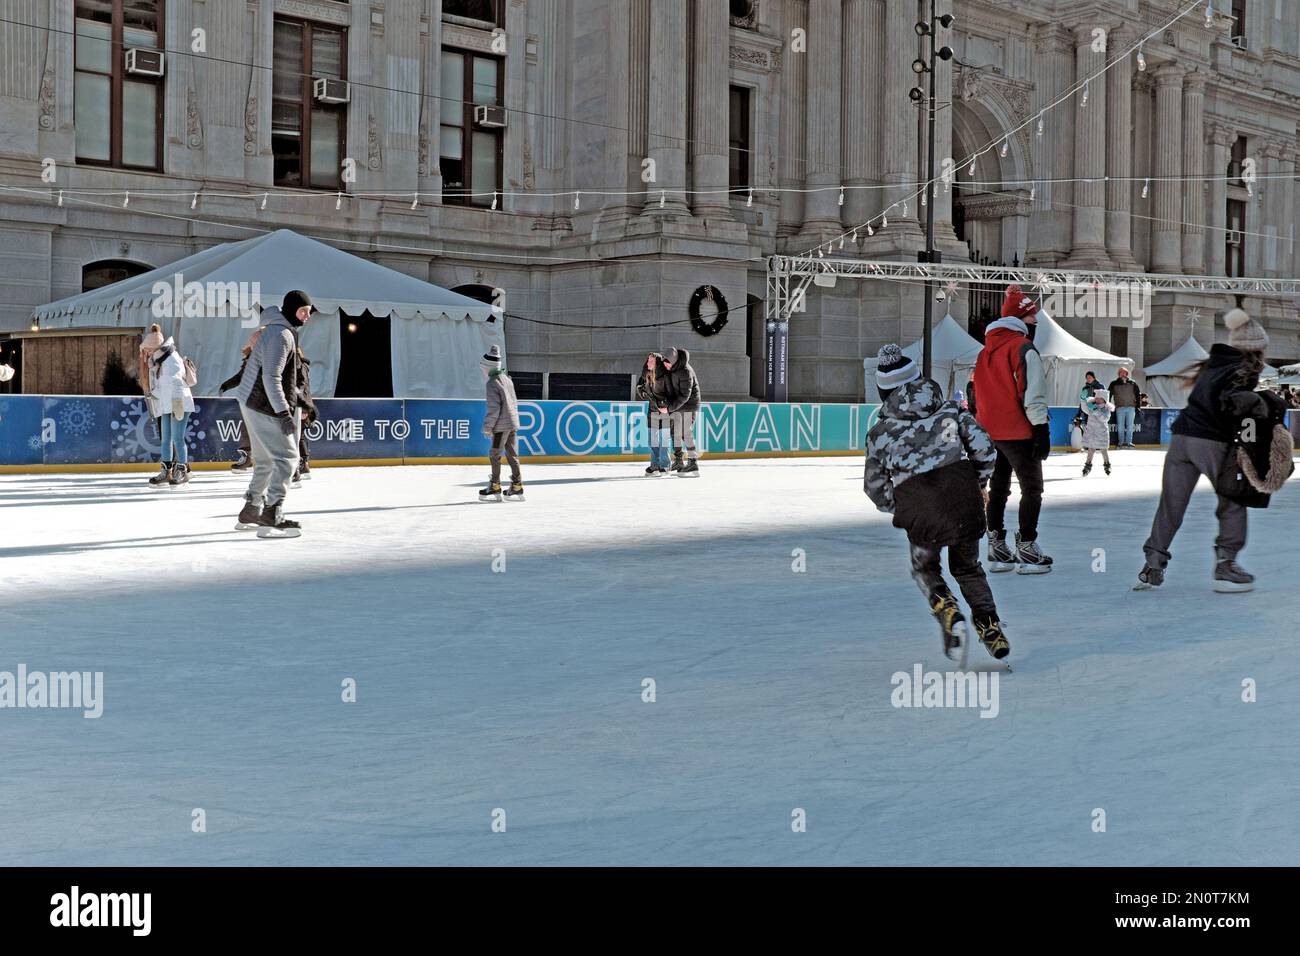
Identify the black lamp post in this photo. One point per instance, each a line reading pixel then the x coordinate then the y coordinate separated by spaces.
pixel 929 28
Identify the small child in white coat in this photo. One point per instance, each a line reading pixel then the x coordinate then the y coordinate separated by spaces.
pixel 1096 434
pixel 174 402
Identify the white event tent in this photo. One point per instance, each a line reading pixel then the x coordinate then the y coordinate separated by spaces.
pixel 1167 385
pixel 953 351
pixel 438 336
pixel 1066 360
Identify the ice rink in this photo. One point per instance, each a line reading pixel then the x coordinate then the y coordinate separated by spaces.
pixel 478 689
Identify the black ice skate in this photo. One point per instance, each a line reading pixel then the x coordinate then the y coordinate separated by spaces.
pixel 1149 579
pixel 689 470
pixel 677 461
pixel 952 624
pixel 1105 466
pixel 163 477
pixel 654 471
pixel 1000 557
pixel 304 471
pixel 243 462
pixel 295 481
pixel 491 493
pixel 180 475
pixel 1030 558
pixel 273 523
pixel 1087 468
pixel 250 518
pixel 515 492
pixel 1231 578
pixel 992 637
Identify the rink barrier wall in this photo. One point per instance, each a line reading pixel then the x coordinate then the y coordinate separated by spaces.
pixel 101 433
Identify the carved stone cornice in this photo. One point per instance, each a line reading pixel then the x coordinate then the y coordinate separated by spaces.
pixel 326 11
pixel 985 206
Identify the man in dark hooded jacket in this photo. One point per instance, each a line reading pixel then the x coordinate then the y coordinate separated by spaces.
pixel 684 395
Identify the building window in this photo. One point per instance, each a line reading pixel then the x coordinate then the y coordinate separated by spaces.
pixel 1239 22
pixel 470 154
pixel 738 151
pixel 1237 161
pixel 1235 258
pixel 1119 340
pixel 308 136
pixel 487 11
pixel 118 114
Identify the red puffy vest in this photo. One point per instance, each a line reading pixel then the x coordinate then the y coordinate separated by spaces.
pixel 1000 385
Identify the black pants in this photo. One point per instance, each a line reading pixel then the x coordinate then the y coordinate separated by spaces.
pixel 1016 456
pixel 964 563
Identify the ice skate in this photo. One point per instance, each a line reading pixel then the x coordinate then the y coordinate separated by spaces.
pixel 250 517
pixel 515 492
pixel 304 471
pixel 180 475
pixel 1105 466
pixel 1231 578
pixel 296 480
pixel 1000 557
pixel 1087 469
pixel 1149 579
pixel 654 471
pixel 243 462
pixel 164 476
pixel 491 493
pixel 952 625
pixel 677 462
pixel 993 638
pixel 689 470
pixel 1030 558
pixel 273 524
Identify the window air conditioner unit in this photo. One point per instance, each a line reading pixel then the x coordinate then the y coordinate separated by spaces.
pixel 490 117
pixel 1234 238
pixel 144 62
pixel 327 89
pixel 1240 43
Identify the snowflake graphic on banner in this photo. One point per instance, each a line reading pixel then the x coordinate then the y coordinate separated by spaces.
pixel 77 418
pixel 135 436
pixel 34 443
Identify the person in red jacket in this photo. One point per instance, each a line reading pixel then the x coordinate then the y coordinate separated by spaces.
pixel 1010 392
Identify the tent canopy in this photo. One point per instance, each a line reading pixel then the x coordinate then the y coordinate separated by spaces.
pixel 1166 384
pixel 437 335
pixel 1066 360
pixel 953 351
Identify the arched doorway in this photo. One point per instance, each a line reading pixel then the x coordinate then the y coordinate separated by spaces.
pixel 96 275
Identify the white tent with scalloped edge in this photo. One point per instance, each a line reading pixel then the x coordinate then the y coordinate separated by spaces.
pixel 1066 360
pixel 1167 385
pixel 953 351
pixel 438 336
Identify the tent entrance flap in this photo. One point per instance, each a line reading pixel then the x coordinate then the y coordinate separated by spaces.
pixel 364 367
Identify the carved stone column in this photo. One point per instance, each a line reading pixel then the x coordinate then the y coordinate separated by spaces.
pixel 1088 249
pixel 1119 156
pixel 666 119
pixel 1166 240
pixel 1220 139
pixel 709 110
pixel 1194 171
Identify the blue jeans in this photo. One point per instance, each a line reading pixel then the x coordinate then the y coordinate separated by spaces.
pixel 173 439
pixel 660 439
pixel 1124 425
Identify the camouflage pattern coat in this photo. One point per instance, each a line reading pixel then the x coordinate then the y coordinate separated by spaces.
pixel 926 461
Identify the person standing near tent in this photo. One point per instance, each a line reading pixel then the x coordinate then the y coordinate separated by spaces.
pixel 1126 398
pixel 1221 409
pixel 268 400
pixel 501 424
pixel 1090 385
pixel 1012 406
pixel 175 403
pixel 1096 432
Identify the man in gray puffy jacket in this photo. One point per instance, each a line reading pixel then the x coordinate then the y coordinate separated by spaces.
pixel 683 407
pixel 501 424
pixel 268 399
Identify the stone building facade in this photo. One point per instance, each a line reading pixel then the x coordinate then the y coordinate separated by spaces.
pixel 656 149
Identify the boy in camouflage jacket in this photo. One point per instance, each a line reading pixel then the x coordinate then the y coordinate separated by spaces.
pixel 927 464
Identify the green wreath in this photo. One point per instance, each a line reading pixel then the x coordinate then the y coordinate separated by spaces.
pixel 708 293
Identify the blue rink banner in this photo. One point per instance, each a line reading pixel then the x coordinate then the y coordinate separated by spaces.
pixel 93 430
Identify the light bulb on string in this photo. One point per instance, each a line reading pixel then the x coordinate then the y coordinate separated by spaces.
pixel 1142 60
pixel 841 242
pixel 855 237
pixel 663 197
pixel 494 199
pixel 1209 15
pixel 126 200
pixel 338 200
pixel 1006 145
pixel 750 200
pixel 841 195
pixel 195 201
pixel 1033 191
pixel 1084 100
pixel 1040 124
pixel 970 171
pixel 1146 188
pixel 264 198
pixel 60 197
pixel 415 201
pixel 884 222
pixel 923 199
pixel 575 200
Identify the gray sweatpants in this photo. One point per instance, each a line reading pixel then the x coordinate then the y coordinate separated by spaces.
pixel 683 427
pixel 275 455
pixel 1186 460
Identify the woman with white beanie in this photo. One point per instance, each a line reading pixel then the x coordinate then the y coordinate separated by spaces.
pixel 175 403
pixel 1222 397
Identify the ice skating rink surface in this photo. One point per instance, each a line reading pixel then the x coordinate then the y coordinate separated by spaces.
pixel 499 653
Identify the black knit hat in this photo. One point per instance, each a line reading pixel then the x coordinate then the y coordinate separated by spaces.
pixel 295 300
